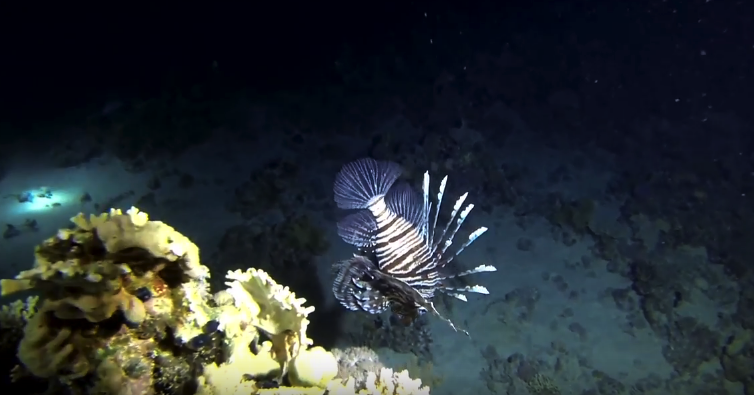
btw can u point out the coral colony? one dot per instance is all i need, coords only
(124, 307)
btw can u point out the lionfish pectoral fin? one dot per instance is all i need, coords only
(348, 287)
(456, 292)
(406, 203)
(373, 302)
(358, 229)
(360, 182)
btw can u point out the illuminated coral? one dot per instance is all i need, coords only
(50, 349)
(124, 308)
(102, 284)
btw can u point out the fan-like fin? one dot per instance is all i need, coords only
(403, 201)
(361, 182)
(358, 229)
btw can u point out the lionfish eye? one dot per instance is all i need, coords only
(422, 310)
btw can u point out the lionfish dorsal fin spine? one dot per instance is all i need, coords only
(458, 223)
(477, 289)
(458, 296)
(456, 207)
(426, 207)
(440, 193)
(478, 269)
(473, 236)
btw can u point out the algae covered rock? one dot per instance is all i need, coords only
(576, 214)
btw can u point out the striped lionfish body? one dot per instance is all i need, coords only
(397, 228)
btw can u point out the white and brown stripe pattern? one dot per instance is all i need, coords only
(399, 230)
(400, 248)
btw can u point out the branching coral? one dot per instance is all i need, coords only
(13, 319)
(272, 307)
(255, 303)
(384, 382)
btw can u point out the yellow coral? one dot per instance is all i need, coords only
(255, 302)
(388, 382)
(13, 319)
(48, 350)
(82, 266)
(385, 382)
(291, 391)
(17, 313)
(97, 308)
(75, 272)
(236, 376)
(314, 367)
(87, 273)
(270, 306)
(195, 312)
(134, 230)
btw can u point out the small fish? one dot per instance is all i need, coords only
(401, 264)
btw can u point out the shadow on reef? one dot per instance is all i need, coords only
(124, 308)
(282, 239)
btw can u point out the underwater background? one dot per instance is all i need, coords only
(607, 146)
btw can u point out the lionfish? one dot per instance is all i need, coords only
(403, 252)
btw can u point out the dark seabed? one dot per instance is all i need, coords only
(607, 145)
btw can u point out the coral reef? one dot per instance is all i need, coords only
(576, 214)
(356, 362)
(370, 332)
(124, 307)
